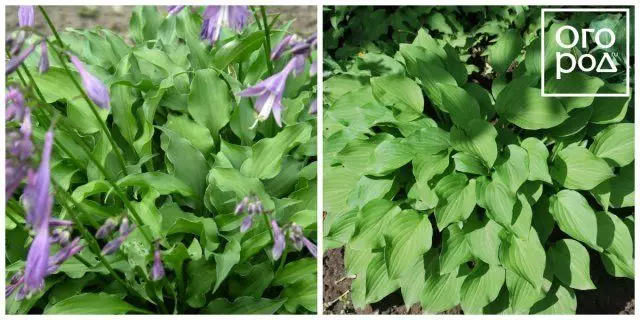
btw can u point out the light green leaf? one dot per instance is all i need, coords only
(378, 282)
(538, 155)
(456, 207)
(522, 295)
(209, 101)
(575, 217)
(483, 239)
(575, 167)
(615, 144)
(574, 82)
(237, 49)
(244, 306)
(455, 250)
(505, 50)
(93, 303)
(389, 155)
(441, 292)
(407, 237)
(525, 258)
(196, 134)
(161, 182)
(371, 220)
(478, 138)
(570, 263)
(468, 163)
(460, 105)
(401, 93)
(481, 287)
(512, 168)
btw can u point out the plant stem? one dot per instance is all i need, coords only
(92, 106)
(267, 38)
(267, 223)
(83, 261)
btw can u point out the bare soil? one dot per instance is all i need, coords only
(613, 296)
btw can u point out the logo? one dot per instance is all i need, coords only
(597, 49)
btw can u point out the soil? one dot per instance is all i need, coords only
(116, 18)
(613, 296)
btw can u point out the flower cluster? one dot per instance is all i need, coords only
(253, 206)
(109, 227)
(215, 18)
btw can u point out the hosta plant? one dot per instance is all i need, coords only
(459, 185)
(171, 171)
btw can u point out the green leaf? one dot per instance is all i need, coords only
(570, 261)
(574, 82)
(441, 292)
(266, 159)
(483, 239)
(231, 180)
(209, 101)
(522, 295)
(460, 105)
(575, 217)
(512, 168)
(163, 183)
(302, 293)
(615, 144)
(610, 109)
(196, 134)
(294, 271)
(575, 167)
(401, 93)
(93, 303)
(389, 155)
(378, 282)
(368, 189)
(244, 306)
(201, 276)
(371, 220)
(478, 138)
(428, 140)
(455, 250)
(456, 207)
(559, 300)
(525, 107)
(481, 287)
(225, 261)
(525, 258)
(237, 49)
(616, 239)
(505, 50)
(500, 203)
(189, 165)
(538, 155)
(468, 163)
(407, 238)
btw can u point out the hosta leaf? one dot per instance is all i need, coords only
(93, 303)
(407, 237)
(575, 217)
(617, 192)
(244, 305)
(558, 300)
(426, 166)
(412, 282)
(401, 93)
(456, 207)
(301, 294)
(209, 101)
(504, 207)
(483, 239)
(441, 292)
(512, 168)
(378, 284)
(389, 155)
(574, 82)
(230, 180)
(196, 134)
(525, 258)
(570, 263)
(505, 50)
(370, 222)
(163, 183)
(478, 138)
(189, 165)
(616, 240)
(237, 49)
(225, 261)
(455, 250)
(368, 189)
(522, 295)
(481, 287)
(615, 144)
(294, 271)
(525, 107)
(609, 109)
(468, 163)
(428, 140)
(618, 267)
(575, 167)
(460, 105)
(266, 159)
(538, 155)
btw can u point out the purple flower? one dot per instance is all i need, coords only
(60, 236)
(112, 246)
(313, 108)
(44, 58)
(17, 60)
(37, 261)
(269, 93)
(299, 240)
(19, 150)
(14, 100)
(53, 222)
(107, 228)
(38, 199)
(66, 252)
(26, 16)
(157, 271)
(216, 17)
(16, 281)
(246, 223)
(240, 207)
(96, 90)
(278, 51)
(174, 10)
(278, 240)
